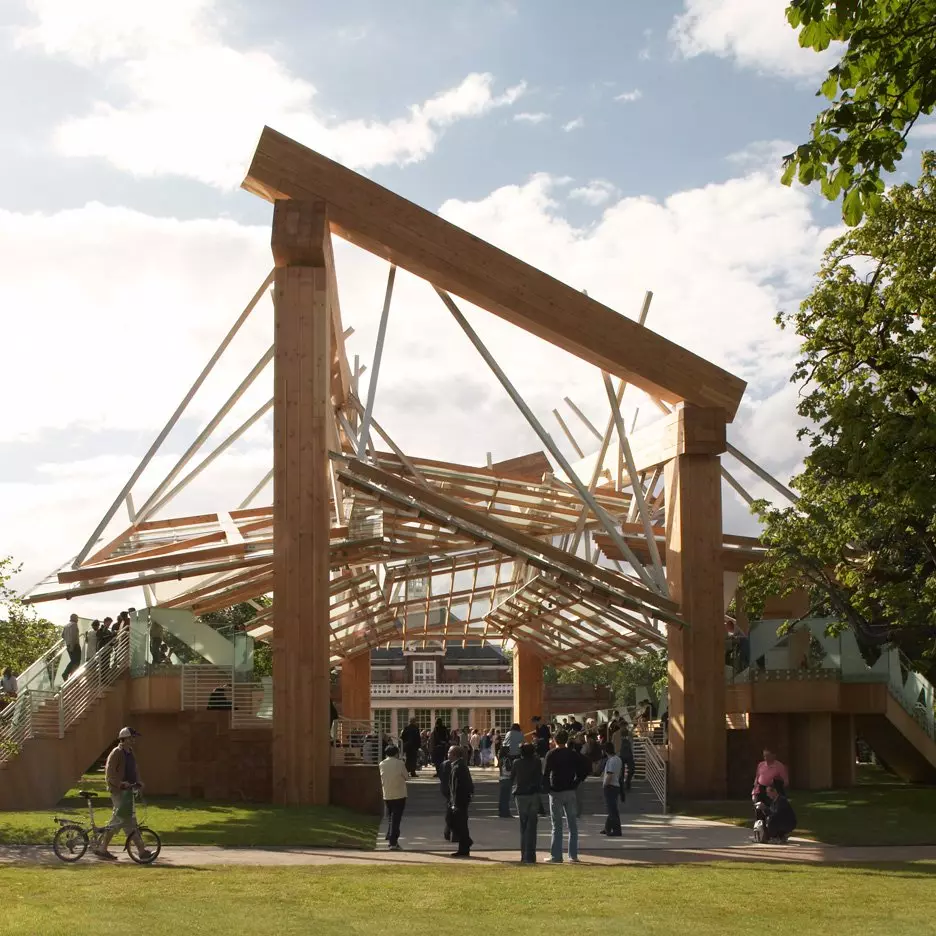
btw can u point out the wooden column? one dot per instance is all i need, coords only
(697, 755)
(527, 685)
(301, 750)
(844, 772)
(811, 767)
(355, 687)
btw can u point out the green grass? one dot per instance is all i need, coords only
(196, 822)
(881, 810)
(707, 900)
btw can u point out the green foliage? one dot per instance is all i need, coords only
(863, 538)
(621, 678)
(24, 636)
(884, 82)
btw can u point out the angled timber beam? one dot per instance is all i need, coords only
(372, 217)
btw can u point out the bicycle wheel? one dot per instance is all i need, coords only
(70, 843)
(151, 843)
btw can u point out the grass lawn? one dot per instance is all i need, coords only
(196, 822)
(704, 899)
(881, 810)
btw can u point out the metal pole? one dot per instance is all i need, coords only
(762, 474)
(147, 458)
(568, 434)
(736, 484)
(606, 521)
(147, 508)
(589, 425)
(223, 447)
(378, 354)
(248, 500)
(636, 486)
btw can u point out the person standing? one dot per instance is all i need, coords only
(9, 688)
(393, 783)
(526, 778)
(611, 788)
(438, 744)
(475, 741)
(485, 744)
(123, 777)
(513, 740)
(562, 775)
(505, 784)
(461, 791)
(542, 735)
(72, 646)
(411, 739)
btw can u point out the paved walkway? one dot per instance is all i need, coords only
(205, 856)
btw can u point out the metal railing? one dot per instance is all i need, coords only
(206, 688)
(654, 768)
(49, 713)
(442, 690)
(354, 742)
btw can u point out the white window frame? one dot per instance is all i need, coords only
(424, 671)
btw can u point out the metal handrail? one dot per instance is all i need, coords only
(355, 741)
(655, 770)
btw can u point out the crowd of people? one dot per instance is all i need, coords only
(551, 761)
(547, 764)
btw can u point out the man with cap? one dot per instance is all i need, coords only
(122, 779)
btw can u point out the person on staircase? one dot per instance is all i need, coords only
(393, 783)
(9, 688)
(626, 753)
(122, 777)
(72, 646)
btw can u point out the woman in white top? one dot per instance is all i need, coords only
(611, 787)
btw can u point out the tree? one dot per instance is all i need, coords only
(884, 82)
(621, 678)
(24, 636)
(862, 540)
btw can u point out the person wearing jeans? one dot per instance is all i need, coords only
(562, 773)
(526, 778)
(611, 787)
(393, 783)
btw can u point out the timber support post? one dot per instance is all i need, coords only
(697, 734)
(301, 509)
(355, 686)
(528, 685)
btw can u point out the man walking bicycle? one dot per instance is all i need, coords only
(122, 778)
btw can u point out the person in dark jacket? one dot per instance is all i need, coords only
(781, 820)
(445, 782)
(411, 740)
(526, 778)
(439, 744)
(461, 791)
(626, 753)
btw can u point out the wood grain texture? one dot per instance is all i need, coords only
(697, 651)
(417, 240)
(528, 695)
(302, 378)
(355, 686)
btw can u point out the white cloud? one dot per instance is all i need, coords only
(186, 103)
(532, 118)
(753, 34)
(575, 124)
(762, 154)
(596, 192)
(924, 130)
(630, 96)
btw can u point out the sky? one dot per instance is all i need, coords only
(620, 146)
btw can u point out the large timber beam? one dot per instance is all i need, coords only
(301, 511)
(417, 240)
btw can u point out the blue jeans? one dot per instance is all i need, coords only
(528, 807)
(559, 804)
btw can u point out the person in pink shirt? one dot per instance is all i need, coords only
(767, 771)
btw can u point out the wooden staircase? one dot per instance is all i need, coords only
(51, 738)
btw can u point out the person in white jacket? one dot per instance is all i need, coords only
(393, 783)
